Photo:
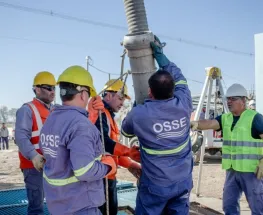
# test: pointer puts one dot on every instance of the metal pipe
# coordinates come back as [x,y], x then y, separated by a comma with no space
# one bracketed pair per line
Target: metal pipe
[137,43]
[136,16]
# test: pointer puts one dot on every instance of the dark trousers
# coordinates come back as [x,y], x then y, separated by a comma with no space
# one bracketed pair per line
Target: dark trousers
[157,200]
[5,142]
[235,184]
[34,188]
[113,200]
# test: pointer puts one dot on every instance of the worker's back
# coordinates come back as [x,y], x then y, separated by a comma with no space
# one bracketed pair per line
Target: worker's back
[68,141]
[162,127]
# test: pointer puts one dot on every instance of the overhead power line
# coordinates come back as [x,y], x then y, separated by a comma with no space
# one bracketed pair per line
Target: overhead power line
[100,70]
[117,27]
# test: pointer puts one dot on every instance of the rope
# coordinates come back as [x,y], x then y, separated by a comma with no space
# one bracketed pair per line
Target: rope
[104,152]
[103,141]
[122,61]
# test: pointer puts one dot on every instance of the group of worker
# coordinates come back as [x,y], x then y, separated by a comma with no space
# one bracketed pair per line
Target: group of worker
[62,156]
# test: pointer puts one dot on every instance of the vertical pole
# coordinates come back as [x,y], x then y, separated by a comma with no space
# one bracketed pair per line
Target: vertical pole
[201,100]
[87,59]
[109,76]
[259,72]
[210,83]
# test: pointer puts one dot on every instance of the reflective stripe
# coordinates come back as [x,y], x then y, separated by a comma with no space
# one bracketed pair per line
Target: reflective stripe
[242,143]
[72,179]
[36,146]
[35,133]
[38,120]
[60,182]
[242,156]
[181,82]
[127,135]
[166,152]
[108,122]
[84,169]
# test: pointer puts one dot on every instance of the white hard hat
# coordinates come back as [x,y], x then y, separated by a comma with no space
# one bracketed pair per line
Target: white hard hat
[252,102]
[236,90]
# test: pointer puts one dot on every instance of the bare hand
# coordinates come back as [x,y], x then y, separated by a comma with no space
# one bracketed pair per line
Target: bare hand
[38,162]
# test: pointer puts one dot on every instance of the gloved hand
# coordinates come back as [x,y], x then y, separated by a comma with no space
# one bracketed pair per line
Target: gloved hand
[156,46]
[135,153]
[95,104]
[194,125]
[259,170]
[108,160]
[122,150]
[38,162]
[135,169]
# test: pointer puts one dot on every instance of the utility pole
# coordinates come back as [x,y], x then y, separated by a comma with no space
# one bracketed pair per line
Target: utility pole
[137,44]
[88,58]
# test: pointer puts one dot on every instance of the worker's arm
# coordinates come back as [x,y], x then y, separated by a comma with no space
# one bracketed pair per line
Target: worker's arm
[82,145]
[23,132]
[181,90]
[116,148]
[208,124]
[109,143]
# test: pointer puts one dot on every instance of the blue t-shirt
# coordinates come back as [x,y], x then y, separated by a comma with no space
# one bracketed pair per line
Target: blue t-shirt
[257,125]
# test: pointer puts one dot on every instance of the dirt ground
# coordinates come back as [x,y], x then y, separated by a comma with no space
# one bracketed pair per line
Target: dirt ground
[211,184]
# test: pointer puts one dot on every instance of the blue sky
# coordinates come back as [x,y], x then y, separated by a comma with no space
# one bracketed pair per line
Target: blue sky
[228,24]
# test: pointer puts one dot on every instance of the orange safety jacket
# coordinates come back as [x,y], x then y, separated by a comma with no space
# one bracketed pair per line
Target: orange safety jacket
[114,134]
[39,115]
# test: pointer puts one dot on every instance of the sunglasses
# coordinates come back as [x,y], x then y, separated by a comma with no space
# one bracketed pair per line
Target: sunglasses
[88,91]
[47,87]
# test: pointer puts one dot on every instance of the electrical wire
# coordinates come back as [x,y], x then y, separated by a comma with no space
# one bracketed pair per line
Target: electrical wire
[102,71]
[117,27]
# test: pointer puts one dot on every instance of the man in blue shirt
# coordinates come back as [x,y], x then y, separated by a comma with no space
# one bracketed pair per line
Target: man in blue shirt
[162,125]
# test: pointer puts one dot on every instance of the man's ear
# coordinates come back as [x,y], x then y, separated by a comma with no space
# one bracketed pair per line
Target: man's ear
[150,93]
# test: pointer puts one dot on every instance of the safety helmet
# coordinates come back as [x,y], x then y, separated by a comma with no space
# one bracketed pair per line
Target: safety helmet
[236,90]
[252,102]
[44,78]
[116,87]
[79,76]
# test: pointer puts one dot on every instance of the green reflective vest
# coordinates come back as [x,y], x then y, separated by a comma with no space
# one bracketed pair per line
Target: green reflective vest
[240,150]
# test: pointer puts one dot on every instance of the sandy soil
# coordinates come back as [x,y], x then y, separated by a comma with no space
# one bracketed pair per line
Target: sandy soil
[211,184]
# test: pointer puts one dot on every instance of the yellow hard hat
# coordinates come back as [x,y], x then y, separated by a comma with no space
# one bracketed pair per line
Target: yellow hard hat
[79,76]
[117,86]
[44,78]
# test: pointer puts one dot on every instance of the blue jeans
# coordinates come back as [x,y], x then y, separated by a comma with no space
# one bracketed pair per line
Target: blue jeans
[235,184]
[5,142]
[155,200]
[34,188]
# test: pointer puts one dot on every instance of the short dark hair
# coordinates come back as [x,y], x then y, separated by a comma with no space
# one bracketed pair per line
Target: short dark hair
[161,84]
[67,91]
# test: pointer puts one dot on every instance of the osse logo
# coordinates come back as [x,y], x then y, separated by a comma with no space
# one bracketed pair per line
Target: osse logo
[49,140]
[167,126]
